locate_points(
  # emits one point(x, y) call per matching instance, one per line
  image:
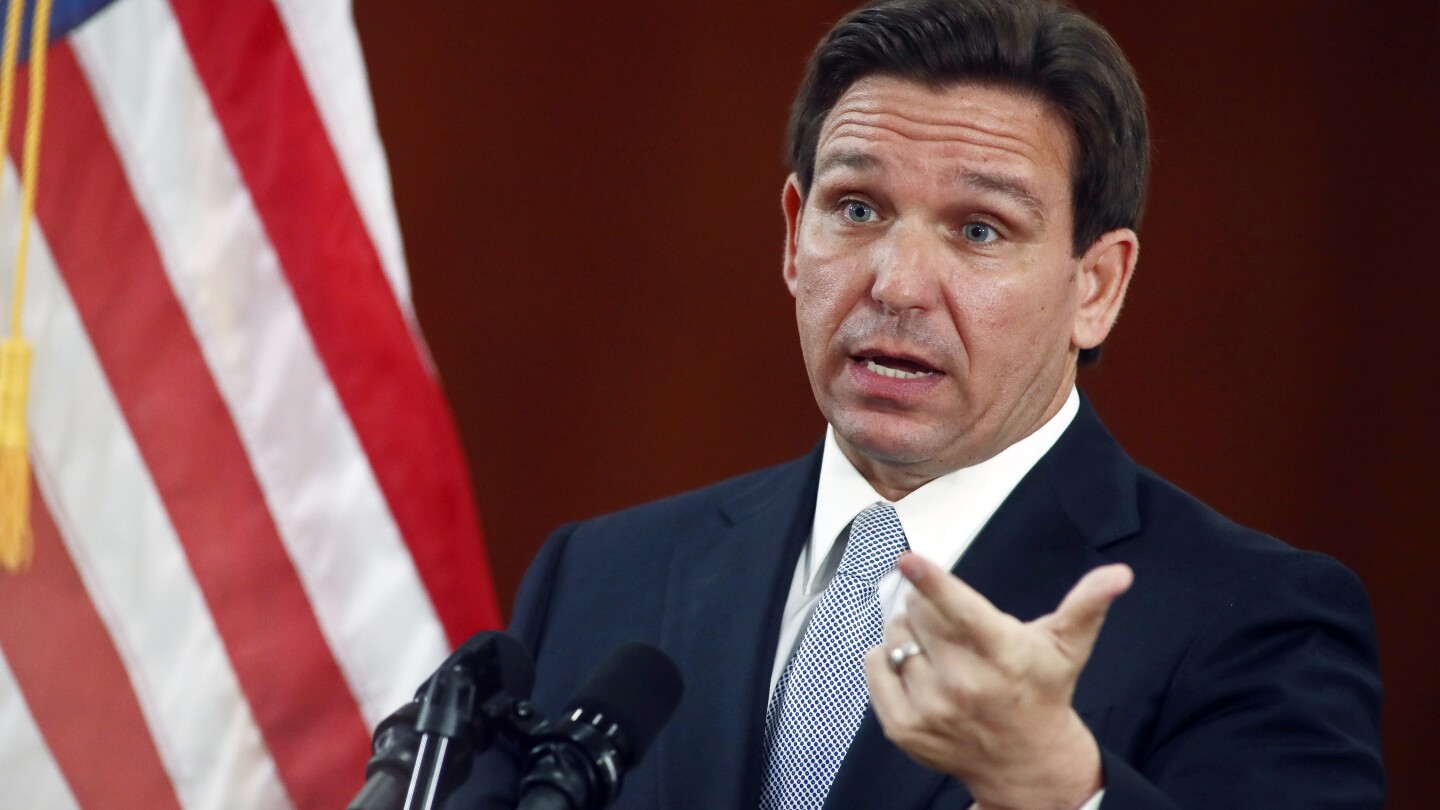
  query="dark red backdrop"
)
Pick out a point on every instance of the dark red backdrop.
point(590, 200)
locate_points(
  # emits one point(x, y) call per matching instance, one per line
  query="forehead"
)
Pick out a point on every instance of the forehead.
point(885, 123)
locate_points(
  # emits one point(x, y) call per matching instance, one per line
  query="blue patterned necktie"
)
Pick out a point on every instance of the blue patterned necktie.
point(821, 695)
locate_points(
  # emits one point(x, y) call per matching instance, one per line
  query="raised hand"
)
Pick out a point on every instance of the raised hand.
point(988, 698)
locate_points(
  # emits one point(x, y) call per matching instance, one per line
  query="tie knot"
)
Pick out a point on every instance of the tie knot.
point(876, 541)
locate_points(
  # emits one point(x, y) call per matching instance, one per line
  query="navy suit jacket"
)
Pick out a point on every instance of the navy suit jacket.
point(1237, 672)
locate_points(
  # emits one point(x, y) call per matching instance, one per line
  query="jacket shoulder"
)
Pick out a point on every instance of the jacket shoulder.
point(726, 501)
point(622, 558)
point(1195, 547)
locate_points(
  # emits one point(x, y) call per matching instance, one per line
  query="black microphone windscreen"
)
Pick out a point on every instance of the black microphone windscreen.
point(637, 686)
point(496, 662)
point(514, 671)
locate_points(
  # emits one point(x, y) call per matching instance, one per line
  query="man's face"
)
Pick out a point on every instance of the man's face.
point(939, 304)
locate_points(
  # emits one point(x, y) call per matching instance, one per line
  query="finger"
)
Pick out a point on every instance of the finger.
point(887, 692)
point(917, 670)
point(1077, 621)
point(898, 630)
point(956, 610)
point(951, 643)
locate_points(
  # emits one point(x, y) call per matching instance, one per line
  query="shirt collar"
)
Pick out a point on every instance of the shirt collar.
point(941, 517)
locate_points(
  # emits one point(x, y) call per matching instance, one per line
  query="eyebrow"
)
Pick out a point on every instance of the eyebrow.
point(846, 159)
point(1006, 186)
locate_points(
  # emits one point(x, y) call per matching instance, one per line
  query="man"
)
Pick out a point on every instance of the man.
point(968, 175)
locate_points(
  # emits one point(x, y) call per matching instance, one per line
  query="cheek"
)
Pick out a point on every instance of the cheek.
point(982, 310)
point(819, 292)
point(825, 291)
point(1006, 323)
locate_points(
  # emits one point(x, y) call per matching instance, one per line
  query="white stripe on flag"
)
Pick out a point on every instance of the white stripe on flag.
point(323, 36)
point(29, 777)
point(354, 565)
point(125, 549)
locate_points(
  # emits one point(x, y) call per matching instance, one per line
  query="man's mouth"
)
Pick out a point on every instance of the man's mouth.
point(896, 367)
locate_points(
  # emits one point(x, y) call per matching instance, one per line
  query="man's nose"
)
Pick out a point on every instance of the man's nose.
point(907, 269)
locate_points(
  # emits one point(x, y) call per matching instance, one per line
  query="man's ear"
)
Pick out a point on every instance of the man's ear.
point(792, 202)
point(1102, 278)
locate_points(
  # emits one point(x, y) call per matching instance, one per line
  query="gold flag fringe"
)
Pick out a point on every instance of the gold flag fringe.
point(16, 544)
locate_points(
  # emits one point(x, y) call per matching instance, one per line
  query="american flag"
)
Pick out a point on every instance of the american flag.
point(253, 526)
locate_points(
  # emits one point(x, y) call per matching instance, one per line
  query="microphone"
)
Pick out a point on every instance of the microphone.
point(576, 761)
point(489, 672)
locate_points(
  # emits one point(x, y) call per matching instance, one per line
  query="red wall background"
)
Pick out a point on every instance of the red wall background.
point(590, 200)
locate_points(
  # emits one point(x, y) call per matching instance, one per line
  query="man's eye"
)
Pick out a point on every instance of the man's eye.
point(857, 211)
point(979, 232)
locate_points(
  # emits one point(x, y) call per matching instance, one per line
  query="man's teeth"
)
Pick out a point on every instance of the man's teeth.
point(886, 371)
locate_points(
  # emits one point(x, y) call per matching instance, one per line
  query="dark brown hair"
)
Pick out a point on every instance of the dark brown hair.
point(1035, 45)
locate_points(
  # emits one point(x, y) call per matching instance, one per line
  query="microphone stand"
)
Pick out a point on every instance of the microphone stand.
point(479, 691)
point(450, 720)
point(447, 712)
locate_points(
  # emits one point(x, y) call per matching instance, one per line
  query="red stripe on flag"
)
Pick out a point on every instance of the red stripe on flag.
point(107, 256)
point(244, 59)
point(74, 682)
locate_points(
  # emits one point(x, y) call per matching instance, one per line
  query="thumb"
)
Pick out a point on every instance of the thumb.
point(1077, 621)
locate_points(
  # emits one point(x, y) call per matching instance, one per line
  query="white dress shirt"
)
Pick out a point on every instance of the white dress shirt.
point(940, 519)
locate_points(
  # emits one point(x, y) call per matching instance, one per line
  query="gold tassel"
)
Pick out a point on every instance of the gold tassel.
point(16, 543)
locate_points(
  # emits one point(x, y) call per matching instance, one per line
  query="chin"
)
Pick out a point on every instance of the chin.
point(887, 439)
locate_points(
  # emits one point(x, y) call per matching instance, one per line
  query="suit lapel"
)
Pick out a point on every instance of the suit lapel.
point(1041, 540)
point(722, 620)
